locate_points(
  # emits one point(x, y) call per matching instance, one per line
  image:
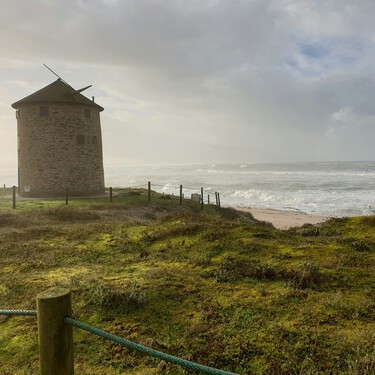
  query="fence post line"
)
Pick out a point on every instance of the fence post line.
point(202, 198)
point(110, 194)
point(180, 194)
point(55, 336)
point(66, 196)
point(149, 191)
point(14, 197)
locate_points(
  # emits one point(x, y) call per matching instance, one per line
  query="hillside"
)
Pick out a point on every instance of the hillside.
point(213, 286)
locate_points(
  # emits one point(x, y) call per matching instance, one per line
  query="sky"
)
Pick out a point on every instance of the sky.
point(201, 81)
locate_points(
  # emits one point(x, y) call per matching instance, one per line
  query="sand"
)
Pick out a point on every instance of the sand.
point(284, 219)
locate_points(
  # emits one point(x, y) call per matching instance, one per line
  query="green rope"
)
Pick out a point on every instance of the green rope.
point(18, 312)
point(145, 350)
point(129, 344)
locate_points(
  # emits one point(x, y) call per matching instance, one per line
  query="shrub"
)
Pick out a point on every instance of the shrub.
point(310, 230)
point(360, 246)
point(369, 220)
point(229, 213)
point(306, 276)
point(362, 361)
point(7, 219)
point(66, 213)
point(165, 196)
point(264, 272)
point(231, 269)
point(107, 297)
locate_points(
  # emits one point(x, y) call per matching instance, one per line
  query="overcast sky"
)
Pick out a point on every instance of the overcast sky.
point(187, 81)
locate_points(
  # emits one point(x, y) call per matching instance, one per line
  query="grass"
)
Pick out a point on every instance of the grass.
point(213, 286)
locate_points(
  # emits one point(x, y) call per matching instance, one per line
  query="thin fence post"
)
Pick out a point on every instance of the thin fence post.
point(202, 198)
point(55, 337)
point(66, 196)
point(218, 199)
point(14, 197)
point(180, 194)
point(110, 194)
point(208, 199)
point(149, 191)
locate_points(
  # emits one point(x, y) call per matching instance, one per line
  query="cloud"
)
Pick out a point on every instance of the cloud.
point(210, 80)
point(345, 115)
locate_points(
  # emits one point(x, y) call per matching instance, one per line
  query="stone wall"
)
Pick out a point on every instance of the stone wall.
point(59, 148)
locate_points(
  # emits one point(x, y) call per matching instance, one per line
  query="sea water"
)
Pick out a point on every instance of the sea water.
point(330, 189)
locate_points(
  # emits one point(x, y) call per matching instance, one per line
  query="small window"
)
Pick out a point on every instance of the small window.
point(87, 112)
point(80, 139)
point(94, 140)
point(43, 111)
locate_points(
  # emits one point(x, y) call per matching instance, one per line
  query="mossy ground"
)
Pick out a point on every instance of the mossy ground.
point(212, 286)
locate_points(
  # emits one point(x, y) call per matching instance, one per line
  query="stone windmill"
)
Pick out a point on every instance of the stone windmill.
point(59, 143)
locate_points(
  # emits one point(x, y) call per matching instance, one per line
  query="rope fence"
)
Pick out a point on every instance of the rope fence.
point(56, 343)
point(146, 350)
point(201, 195)
point(19, 312)
point(168, 186)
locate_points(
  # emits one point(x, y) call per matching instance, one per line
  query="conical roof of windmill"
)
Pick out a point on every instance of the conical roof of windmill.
point(57, 92)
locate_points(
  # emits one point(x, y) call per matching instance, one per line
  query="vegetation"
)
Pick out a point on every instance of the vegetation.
point(213, 286)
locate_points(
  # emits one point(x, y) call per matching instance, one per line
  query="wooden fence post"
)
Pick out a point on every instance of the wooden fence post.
point(55, 336)
point(180, 194)
point(218, 199)
point(66, 196)
point(14, 197)
point(149, 191)
point(202, 198)
point(110, 194)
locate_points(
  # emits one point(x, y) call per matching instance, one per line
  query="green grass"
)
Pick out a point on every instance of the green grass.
point(212, 286)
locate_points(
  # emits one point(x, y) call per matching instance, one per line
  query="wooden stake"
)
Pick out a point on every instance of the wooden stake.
point(110, 194)
point(149, 191)
point(14, 197)
point(55, 337)
point(180, 194)
point(202, 197)
point(66, 196)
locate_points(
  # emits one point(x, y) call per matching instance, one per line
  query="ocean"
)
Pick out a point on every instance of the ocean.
point(333, 189)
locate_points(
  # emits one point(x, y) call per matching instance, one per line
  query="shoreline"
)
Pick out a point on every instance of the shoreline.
point(283, 219)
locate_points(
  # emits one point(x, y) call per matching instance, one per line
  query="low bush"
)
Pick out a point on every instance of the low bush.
point(360, 246)
point(302, 277)
point(107, 297)
point(68, 213)
point(368, 220)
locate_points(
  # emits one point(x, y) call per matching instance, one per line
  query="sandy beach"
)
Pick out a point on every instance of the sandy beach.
point(284, 219)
